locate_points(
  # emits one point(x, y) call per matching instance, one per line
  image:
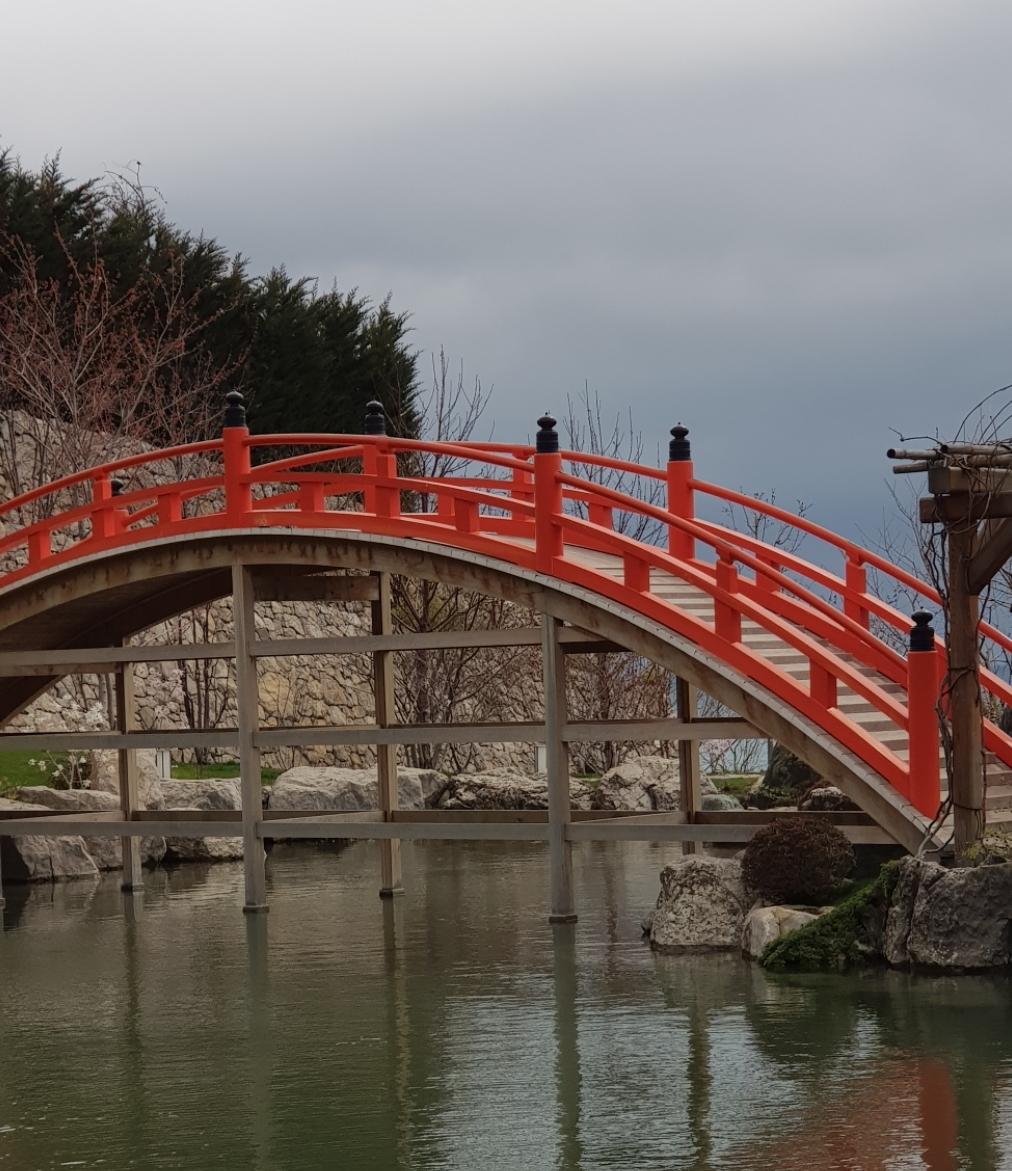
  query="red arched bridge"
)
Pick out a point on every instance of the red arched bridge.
point(803, 650)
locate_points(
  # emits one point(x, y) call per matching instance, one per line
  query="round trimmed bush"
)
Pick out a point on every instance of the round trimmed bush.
point(797, 860)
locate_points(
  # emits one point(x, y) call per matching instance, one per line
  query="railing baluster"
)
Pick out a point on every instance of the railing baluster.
point(821, 685)
point(635, 573)
point(727, 619)
point(856, 581)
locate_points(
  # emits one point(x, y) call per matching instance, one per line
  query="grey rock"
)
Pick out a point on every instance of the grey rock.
point(202, 849)
point(307, 787)
point(649, 783)
point(43, 859)
point(825, 798)
point(106, 853)
point(786, 779)
point(701, 906)
point(720, 803)
point(202, 794)
point(105, 776)
point(911, 872)
point(962, 918)
point(765, 925)
point(506, 790)
point(70, 799)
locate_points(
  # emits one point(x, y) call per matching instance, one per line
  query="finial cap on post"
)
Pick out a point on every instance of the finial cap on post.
point(116, 485)
point(235, 409)
point(679, 449)
point(375, 418)
point(922, 633)
point(547, 439)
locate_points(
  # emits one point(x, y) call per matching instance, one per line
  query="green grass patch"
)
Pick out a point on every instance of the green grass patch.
point(734, 784)
point(841, 938)
point(218, 771)
point(17, 773)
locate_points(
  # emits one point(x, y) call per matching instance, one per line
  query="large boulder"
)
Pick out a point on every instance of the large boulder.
point(306, 787)
point(105, 852)
point(42, 859)
point(213, 795)
point(105, 776)
point(786, 780)
point(958, 919)
point(649, 783)
point(720, 803)
point(506, 790)
point(765, 925)
point(701, 906)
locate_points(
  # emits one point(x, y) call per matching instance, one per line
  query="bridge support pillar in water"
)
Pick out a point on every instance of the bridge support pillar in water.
point(391, 881)
point(130, 847)
point(562, 906)
point(247, 703)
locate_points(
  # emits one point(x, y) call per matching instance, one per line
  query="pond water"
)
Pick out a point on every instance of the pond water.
point(455, 1029)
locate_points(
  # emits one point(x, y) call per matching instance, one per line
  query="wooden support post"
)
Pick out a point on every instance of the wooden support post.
point(130, 847)
point(391, 879)
point(248, 721)
point(562, 906)
point(689, 775)
point(964, 693)
point(3, 901)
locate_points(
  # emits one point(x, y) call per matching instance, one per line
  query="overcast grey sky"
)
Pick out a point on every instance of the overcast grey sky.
point(785, 224)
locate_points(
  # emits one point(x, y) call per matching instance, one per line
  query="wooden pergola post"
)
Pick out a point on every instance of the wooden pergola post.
point(562, 907)
point(391, 878)
point(967, 780)
point(248, 718)
point(689, 774)
point(126, 759)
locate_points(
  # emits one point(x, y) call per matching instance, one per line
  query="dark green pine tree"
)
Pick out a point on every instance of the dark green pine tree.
point(307, 362)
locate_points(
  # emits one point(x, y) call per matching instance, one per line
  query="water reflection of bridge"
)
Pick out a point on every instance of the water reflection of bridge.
point(444, 1027)
point(797, 651)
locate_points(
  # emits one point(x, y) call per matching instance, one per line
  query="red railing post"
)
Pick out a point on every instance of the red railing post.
point(548, 537)
point(856, 580)
point(680, 498)
point(727, 619)
point(922, 718)
point(381, 501)
point(102, 523)
point(236, 460)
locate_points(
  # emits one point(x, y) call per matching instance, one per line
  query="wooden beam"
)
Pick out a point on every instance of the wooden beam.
point(391, 878)
point(247, 699)
point(573, 641)
point(989, 556)
point(98, 660)
point(963, 507)
point(89, 741)
point(562, 907)
point(291, 585)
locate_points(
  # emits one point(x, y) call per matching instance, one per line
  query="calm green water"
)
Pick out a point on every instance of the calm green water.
point(455, 1029)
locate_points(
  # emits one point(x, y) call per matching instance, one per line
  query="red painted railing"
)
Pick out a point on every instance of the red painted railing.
point(544, 510)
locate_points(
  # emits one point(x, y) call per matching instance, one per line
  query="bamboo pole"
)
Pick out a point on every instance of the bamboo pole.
point(391, 877)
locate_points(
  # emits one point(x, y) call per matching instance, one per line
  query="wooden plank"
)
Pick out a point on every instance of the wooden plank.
point(391, 878)
point(87, 741)
point(964, 508)
point(967, 782)
point(247, 701)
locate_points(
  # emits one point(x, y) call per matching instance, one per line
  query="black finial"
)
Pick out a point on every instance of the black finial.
point(547, 440)
point(678, 448)
point(116, 486)
point(235, 410)
point(375, 419)
point(922, 634)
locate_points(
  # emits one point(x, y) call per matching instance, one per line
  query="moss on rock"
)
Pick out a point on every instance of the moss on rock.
point(848, 935)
